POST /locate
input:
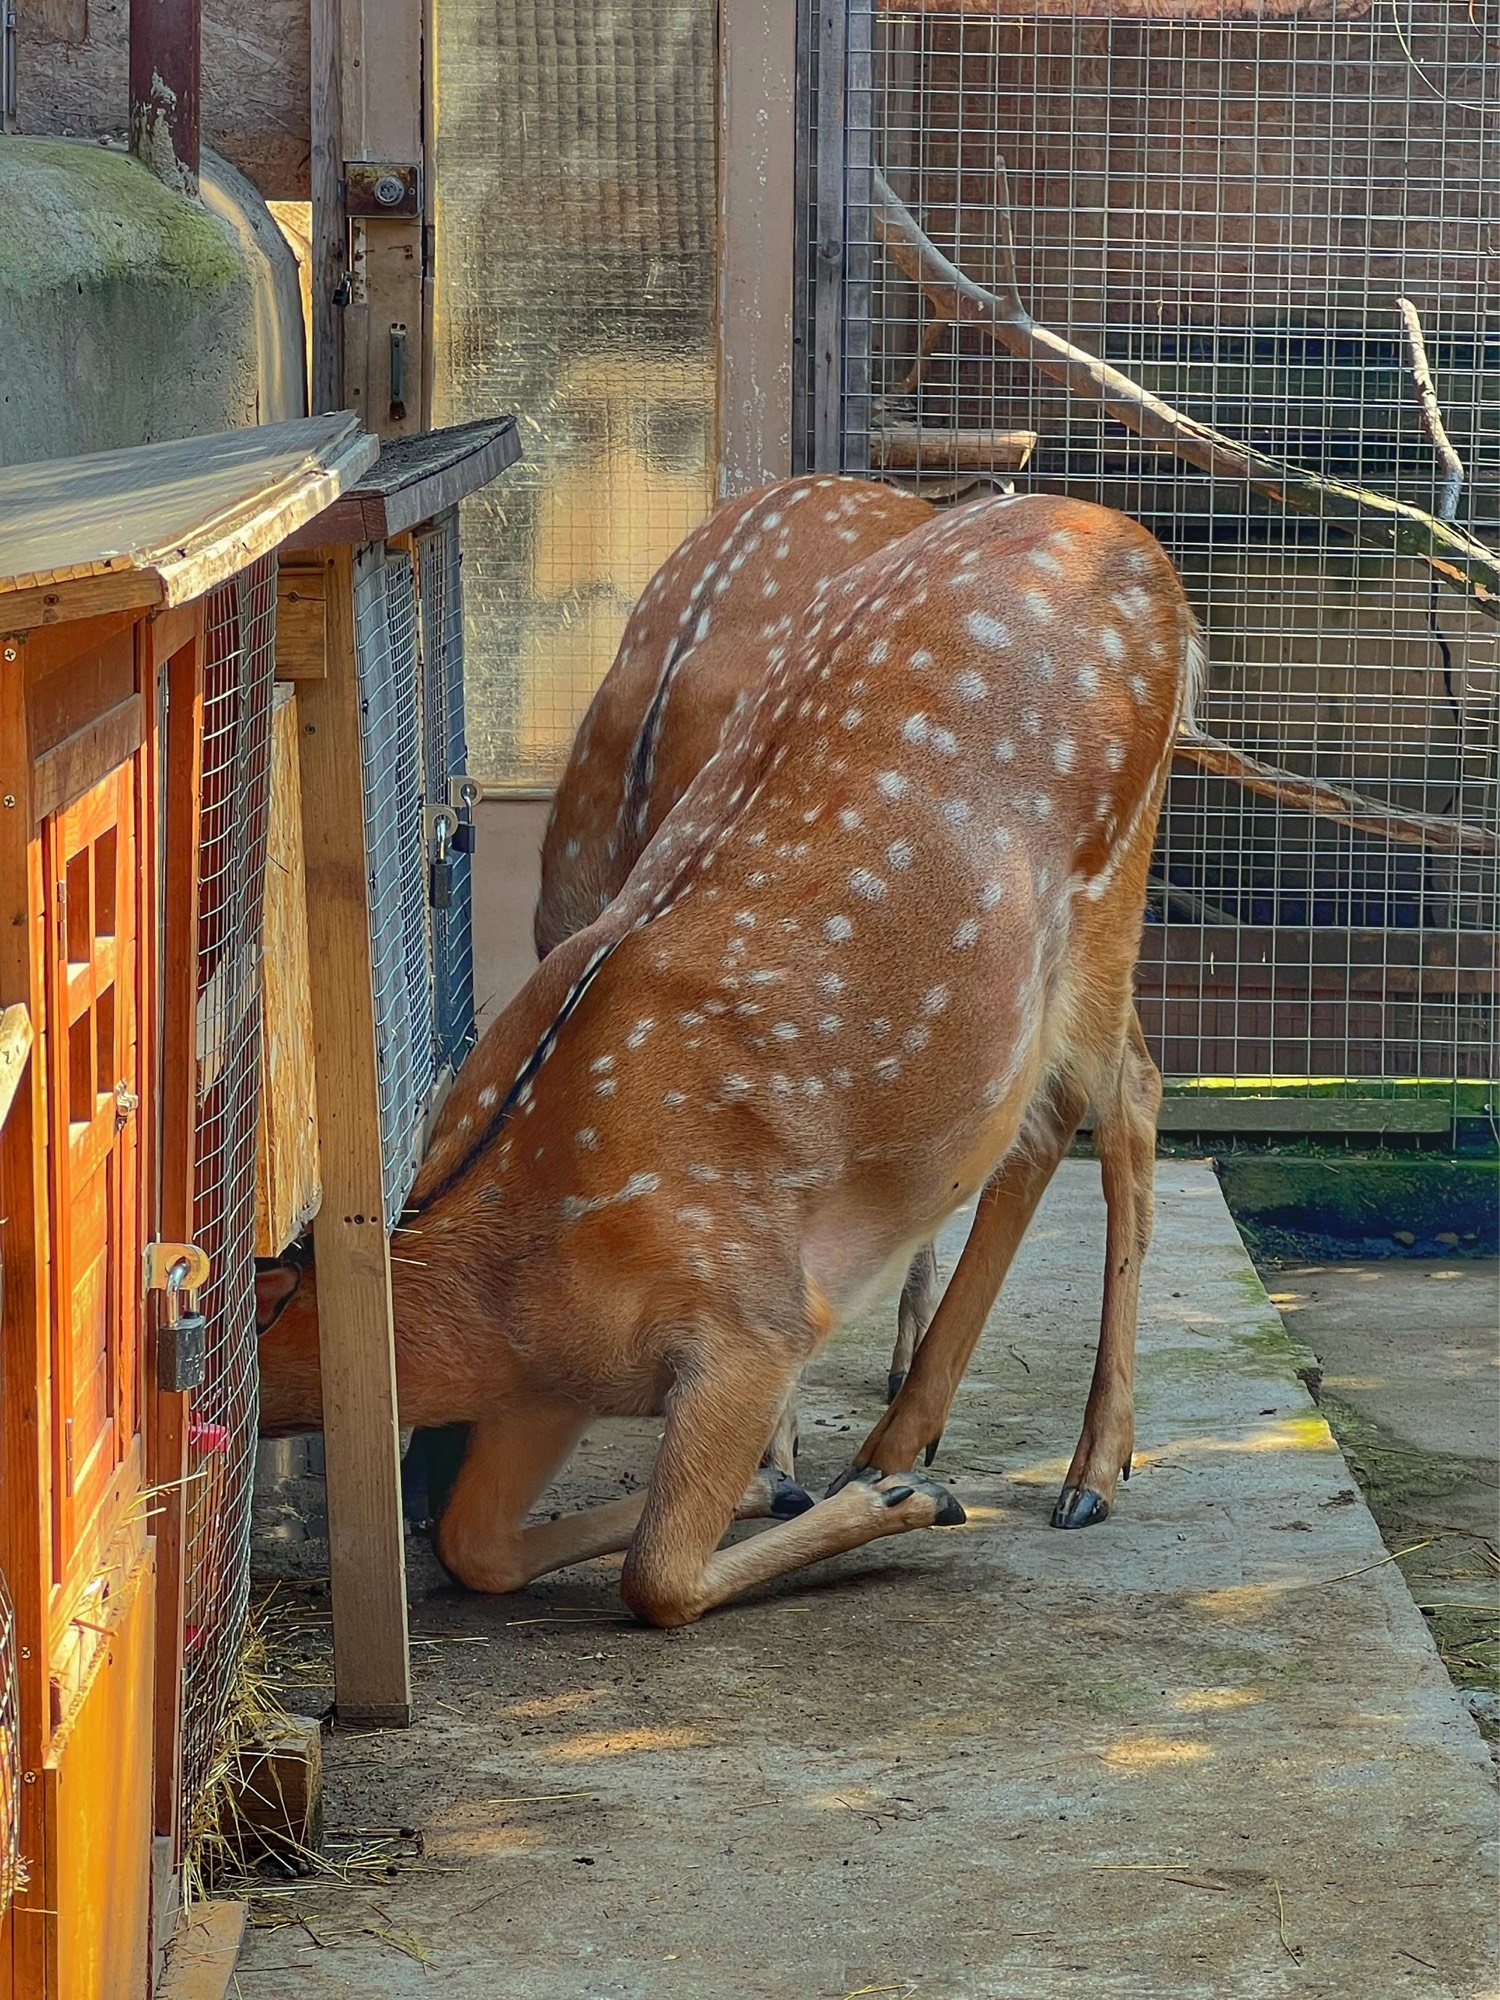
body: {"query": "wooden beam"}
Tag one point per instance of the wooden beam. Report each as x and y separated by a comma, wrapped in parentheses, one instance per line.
(385, 366)
(757, 181)
(330, 230)
(301, 621)
(372, 1678)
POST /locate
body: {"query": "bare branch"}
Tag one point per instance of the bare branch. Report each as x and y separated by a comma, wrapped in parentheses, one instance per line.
(1432, 416)
(1312, 795)
(1461, 561)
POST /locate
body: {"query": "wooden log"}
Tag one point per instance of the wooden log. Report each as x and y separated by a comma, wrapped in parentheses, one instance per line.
(361, 1432)
(915, 448)
(287, 1184)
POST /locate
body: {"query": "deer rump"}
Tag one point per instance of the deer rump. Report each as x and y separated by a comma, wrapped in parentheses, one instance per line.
(693, 652)
(881, 948)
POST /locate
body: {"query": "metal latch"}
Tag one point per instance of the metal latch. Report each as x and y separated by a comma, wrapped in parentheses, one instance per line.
(463, 796)
(179, 1270)
(382, 188)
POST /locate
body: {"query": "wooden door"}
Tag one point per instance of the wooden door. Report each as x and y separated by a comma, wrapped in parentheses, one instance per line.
(98, 1769)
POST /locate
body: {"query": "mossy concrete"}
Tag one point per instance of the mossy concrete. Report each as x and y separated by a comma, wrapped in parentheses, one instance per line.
(1206, 1751)
(131, 314)
(1412, 1204)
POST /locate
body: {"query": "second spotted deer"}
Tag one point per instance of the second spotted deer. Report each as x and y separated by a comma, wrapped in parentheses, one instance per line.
(876, 962)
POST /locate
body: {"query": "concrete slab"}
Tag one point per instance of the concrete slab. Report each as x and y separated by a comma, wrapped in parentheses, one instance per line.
(1205, 1752)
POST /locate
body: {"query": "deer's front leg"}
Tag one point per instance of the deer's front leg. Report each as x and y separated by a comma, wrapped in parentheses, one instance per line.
(716, 1415)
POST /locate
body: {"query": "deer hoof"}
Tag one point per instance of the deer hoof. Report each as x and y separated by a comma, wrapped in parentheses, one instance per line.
(788, 1499)
(893, 1383)
(1079, 1507)
(903, 1486)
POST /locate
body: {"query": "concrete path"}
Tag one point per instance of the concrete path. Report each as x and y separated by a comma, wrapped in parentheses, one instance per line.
(1204, 1752)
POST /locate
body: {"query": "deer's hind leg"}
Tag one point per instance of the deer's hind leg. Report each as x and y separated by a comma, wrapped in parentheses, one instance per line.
(1126, 1100)
(916, 1420)
(717, 1412)
(919, 1301)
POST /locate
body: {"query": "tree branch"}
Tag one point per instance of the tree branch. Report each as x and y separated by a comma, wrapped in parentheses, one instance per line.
(1462, 562)
(1312, 795)
(1432, 415)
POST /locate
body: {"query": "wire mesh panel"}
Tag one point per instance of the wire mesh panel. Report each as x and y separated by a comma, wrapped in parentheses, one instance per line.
(385, 624)
(445, 757)
(240, 661)
(1226, 203)
(12, 1874)
(576, 276)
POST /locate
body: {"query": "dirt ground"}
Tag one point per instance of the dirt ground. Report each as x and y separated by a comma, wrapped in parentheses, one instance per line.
(1206, 1751)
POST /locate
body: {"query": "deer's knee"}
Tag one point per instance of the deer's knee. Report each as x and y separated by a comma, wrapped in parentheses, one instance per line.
(656, 1595)
(476, 1555)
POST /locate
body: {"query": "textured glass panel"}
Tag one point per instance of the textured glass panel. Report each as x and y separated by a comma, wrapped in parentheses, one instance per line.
(576, 273)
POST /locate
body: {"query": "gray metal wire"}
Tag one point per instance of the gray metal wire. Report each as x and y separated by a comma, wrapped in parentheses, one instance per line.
(221, 1440)
(446, 757)
(386, 640)
(12, 1870)
(1227, 210)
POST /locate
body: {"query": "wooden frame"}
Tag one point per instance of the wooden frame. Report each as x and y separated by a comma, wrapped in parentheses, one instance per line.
(757, 231)
(356, 1336)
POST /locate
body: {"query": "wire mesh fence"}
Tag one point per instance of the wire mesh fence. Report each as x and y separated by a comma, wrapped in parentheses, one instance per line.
(445, 758)
(1226, 203)
(12, 1871)
(240, 658)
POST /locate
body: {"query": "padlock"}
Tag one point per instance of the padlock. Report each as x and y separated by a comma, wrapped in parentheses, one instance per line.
(463, 837)
(181, 1353)
(442, 885)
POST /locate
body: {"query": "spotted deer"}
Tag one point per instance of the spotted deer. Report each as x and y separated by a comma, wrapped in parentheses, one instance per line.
(876, 962)
(695, 649)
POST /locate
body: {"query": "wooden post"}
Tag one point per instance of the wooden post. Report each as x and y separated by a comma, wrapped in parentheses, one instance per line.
(758, 148)
(165, 44)
(330, 228)
(384, 362)
(372, 1678)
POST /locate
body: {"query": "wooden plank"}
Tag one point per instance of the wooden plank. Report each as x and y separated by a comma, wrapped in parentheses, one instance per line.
(1222, 1112)
(61, 776)
(757, 228)
(15, 1046)
(330, 231)
(25, 1406)
(203, 1954)
(287, 1185)
(301, 622)
(372, 1677)
(161, 524)
(96, 1784)
(177, 783)
(414, 480)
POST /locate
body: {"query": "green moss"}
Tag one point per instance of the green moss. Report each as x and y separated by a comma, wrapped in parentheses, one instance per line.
(82, 216)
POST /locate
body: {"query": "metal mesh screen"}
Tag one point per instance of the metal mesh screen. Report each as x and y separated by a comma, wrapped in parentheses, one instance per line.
(12, 1875)
(385, 624)
(445, 756)
(576, 272)
(1227, 208)
(224, 1412)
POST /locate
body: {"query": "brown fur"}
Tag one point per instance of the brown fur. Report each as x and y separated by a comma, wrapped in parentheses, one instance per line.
(882, 948)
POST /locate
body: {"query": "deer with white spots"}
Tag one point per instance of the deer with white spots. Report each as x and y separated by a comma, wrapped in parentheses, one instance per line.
(877, 961)
(696, 648)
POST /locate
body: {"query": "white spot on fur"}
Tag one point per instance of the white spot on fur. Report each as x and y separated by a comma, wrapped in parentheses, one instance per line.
(866, 884)
(891, 785)
(786, 1031)
(639, 1032)
(966, 936)
(850, 820)
(879, 653)
(900, 854)
(969, 686)
(945, 742)
(1064, 754)
(916, 728)
(838, 930)
(831, 984)
(988, 631)
(1005, 750)
(934, 1000)
(887, 1069)
(920, 660)
(587, 1140)
(829, 1024)
(916, 1038)
(1110, 643)
(1039, 605)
